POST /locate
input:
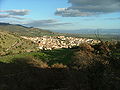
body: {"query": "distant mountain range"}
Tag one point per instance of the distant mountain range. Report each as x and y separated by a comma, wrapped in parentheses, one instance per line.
(20, 30)
(31, 31)
(23, 30)
(92, 31)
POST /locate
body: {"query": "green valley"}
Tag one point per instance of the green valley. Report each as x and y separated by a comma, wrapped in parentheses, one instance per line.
(86, 65)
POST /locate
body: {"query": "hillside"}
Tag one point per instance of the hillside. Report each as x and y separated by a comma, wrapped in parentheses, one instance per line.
(90, 67)
(10, 43)
(34, 32)
(87, 67)
(22, 30)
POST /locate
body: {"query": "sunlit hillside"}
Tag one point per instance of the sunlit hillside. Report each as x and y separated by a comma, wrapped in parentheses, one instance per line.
(10, 44)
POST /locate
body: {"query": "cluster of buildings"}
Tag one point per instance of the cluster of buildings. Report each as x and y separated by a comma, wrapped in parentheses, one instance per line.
(56, 42)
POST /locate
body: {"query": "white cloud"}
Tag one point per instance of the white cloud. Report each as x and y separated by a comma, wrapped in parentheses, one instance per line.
(89, 8)
(71, 13)
(10, 16)
(17, 14)
(45, 23)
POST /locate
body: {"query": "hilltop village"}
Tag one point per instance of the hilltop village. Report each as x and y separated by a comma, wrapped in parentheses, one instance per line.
(56, 42)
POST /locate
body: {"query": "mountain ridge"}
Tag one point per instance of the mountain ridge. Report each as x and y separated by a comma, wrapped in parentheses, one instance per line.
(23, 30)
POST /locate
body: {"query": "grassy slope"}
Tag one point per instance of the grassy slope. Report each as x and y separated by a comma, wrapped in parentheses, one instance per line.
(51, 57)
(10, 43)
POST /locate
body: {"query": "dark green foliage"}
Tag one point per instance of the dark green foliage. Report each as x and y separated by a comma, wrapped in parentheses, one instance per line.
(56, 56)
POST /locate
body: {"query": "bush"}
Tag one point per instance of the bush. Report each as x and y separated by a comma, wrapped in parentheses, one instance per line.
(102, 48)
(30, 61)
(82, 59)
(86, 56)
(86, 47)
(57, 65)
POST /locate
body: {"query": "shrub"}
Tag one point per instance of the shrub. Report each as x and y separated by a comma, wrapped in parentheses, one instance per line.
(57, 65)
(82, 59)
(102, 48)
(31, 61)
(86, 47)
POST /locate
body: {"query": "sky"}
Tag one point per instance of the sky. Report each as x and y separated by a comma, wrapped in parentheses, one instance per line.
(62, 14)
